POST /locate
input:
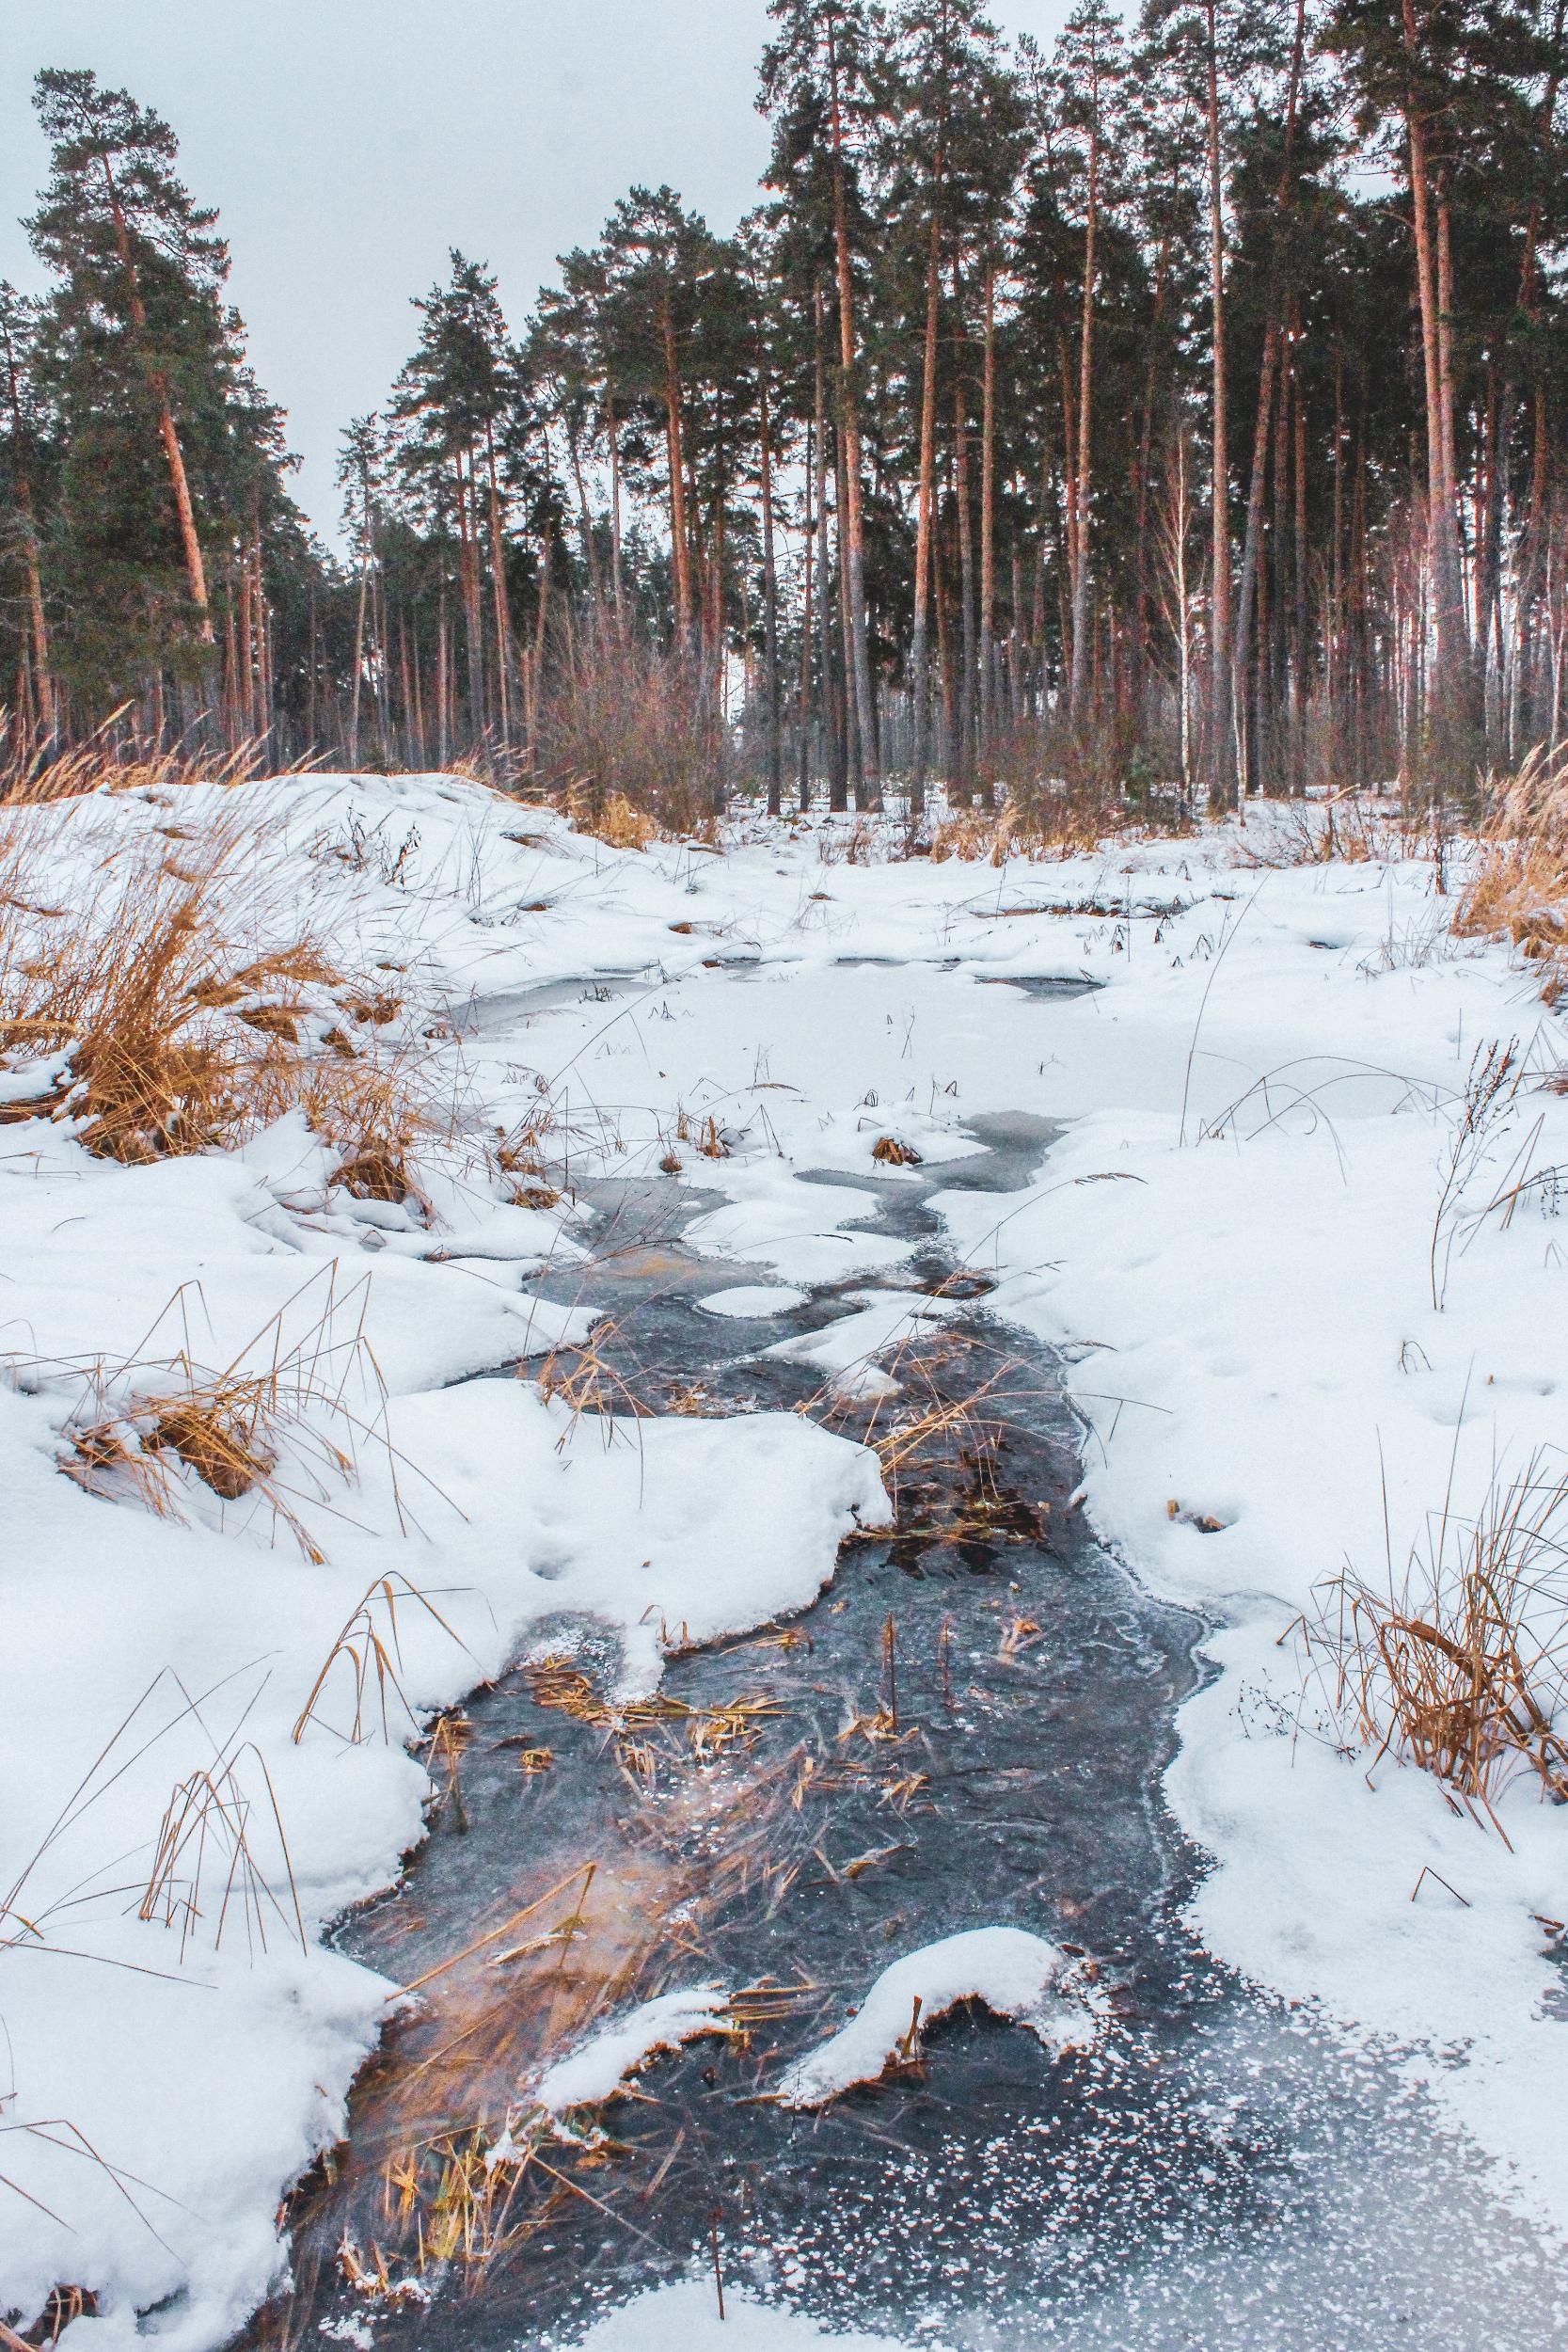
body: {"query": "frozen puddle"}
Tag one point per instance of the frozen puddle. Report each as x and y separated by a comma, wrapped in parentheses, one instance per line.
(967, 1731)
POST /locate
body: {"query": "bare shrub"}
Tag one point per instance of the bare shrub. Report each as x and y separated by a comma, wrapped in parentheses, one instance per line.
(1049, 798)
(1348, 829)
(629, 732)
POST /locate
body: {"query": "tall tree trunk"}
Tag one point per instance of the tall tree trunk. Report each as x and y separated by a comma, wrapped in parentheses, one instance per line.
(1222, 767)
(680, 546)
(44, 683)
(988, 532)
(1300, 653)
(964, 763)
(920, 694)
(833, 731)
(807, 621)
(1241, 651)
(855, 518)
(613, 430)
(468, 590)
(1447, 693)
(1141, 614)
(1084, 466)
(195, 570)
(358, 658)
(1247, 585)
(853, 732)
(771, 603)
(498, 574)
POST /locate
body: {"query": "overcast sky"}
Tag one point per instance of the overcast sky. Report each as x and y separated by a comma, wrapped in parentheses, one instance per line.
(349, 143)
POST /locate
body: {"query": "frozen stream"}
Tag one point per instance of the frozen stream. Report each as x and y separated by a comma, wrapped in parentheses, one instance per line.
(1221, 2172)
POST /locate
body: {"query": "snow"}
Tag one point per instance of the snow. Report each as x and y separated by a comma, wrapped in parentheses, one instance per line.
(597, 2071)
(747, 1300)
(1230, 1240)
(1015, 1974)
(422, 1490)
(685, 2318)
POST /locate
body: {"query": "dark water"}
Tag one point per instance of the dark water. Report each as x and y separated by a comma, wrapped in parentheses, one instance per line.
(970, 1727)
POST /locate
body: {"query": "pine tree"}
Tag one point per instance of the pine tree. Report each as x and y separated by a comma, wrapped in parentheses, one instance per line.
(139, 259)
(20, 426)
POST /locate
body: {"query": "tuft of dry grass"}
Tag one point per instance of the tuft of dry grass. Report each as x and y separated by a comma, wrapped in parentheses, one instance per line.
(1458, 1662)
(205, 1854)
(887, 1152)
(123, 988)
(616, 823)
(370, 1650)
(1519, 889)
(282, 1420)
(154, 1031)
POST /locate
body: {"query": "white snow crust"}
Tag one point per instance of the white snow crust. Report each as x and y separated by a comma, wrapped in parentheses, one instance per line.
(685, 2318)
(1015, 1974)
(595, 2072)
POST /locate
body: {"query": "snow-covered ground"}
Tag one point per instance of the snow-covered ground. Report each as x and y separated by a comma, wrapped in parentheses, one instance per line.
(1232, 1242)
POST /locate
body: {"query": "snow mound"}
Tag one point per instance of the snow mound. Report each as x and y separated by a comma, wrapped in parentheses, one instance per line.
(1016, 1973)
(753, 1299)
(597, 2071)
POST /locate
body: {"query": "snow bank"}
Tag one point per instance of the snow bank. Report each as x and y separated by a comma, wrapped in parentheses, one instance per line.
(596, 2071)
(1015, 1974)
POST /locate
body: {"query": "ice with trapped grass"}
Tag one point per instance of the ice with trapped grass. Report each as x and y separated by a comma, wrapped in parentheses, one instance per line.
(1297, 1331)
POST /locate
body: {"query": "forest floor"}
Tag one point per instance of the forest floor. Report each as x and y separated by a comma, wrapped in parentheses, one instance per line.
(273, 1494)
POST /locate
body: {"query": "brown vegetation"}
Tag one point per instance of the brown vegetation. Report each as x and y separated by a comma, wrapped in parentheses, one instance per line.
(630, 736)
(282, 1420)
(37, 767)
(1459, 1662)
(1520, 884)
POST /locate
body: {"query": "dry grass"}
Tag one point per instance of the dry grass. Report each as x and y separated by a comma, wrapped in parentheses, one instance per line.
(615, 821)
(369, 1651)
(156, 1030)
(1458, 1662)
(1519, 889)
(115, 758)
(1485, 1107)
(127, 987)
(206, 1855)
(1049, 816)
(282, 1421)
